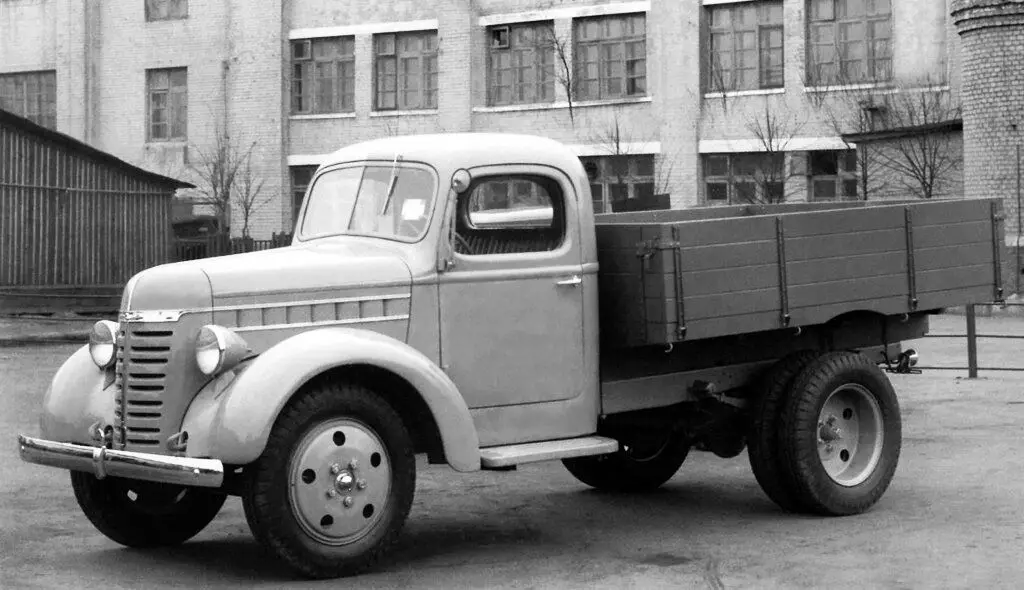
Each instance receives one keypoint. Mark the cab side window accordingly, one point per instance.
(510, 215)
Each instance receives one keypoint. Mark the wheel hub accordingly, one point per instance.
(850, 434)
(340, 478)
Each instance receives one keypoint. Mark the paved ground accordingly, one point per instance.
(952, 518)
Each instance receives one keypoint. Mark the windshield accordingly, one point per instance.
(387, 200)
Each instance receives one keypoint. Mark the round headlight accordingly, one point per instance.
(103, 344)
(219, 349)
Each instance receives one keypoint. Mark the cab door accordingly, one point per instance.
(512, 303)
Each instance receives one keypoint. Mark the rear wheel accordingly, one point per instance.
(643, 463)
(842, 434)
(763, 441)
(335, 484)
(142, 513)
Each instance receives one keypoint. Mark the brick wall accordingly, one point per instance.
(992, 33)
(236, 52)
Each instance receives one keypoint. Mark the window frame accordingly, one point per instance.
(764, 24)
(876, 66)
(607, 178)
(38, 105)
(306, 86)
(171, 94)
(542, 64)
(843, 178)
(426, 78)
(298, 189)
(604, 41)
(556, 192)
(734, 178)
(169, 5)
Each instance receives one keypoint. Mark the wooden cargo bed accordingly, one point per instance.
(751, 269)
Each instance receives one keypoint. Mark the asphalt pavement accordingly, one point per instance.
(952, 518)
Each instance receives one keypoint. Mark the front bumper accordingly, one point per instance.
(103, 462)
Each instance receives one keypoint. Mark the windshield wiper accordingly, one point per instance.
(391, 183)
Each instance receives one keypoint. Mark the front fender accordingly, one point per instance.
(77, 398)
(232, 416)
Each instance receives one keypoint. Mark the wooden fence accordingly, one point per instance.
(221, 245)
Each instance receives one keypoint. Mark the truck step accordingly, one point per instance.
(508, 456)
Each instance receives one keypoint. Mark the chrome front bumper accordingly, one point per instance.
(207, 473)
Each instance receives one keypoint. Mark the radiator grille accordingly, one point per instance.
(142, 357)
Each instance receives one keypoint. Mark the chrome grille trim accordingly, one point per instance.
(142, 357)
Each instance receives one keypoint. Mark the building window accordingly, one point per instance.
(745, 46)
(849, 41)
(168, 104)
(610, 54)
(833, 174)
(618, 178)
(32, 95)
(406, 71)
(521, 64)
(744, 178)
(323, 75)
(300, 177)
(166, 9)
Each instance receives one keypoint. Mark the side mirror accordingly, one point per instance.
(461, 180)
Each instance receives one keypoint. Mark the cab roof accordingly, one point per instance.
(461, 150)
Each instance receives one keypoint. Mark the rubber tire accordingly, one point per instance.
(265, 499)
(817, 492)
(763, 438)
(618, 472)
(107, 505)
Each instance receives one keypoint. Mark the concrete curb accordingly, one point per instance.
(44, 337)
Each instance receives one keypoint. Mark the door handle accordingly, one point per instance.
(573, 281)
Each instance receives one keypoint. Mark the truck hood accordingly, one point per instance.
(321, 268)
(324, 270)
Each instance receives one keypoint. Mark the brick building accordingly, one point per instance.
(710, 101)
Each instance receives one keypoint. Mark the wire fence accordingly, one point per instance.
(972, 336)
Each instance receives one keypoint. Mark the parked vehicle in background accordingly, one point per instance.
(455, 296)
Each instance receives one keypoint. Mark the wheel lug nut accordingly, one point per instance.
(335, 469)
(348, 501)
(332, 494)
(361, 484)
(353, 464)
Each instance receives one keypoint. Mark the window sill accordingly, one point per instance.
(545, 106)
(415, 113)
(322, 116)
(167, 143)
(848, 87)
(755, 92)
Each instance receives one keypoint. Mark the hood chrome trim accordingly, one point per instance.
(165, 316)
(324, 324)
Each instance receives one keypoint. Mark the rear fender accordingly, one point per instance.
(231, 418)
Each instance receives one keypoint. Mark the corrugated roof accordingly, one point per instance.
(8, 118)
(898, 132)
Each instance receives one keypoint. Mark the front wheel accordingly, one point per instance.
(335, 484)
(143, 513)
(641, 465)
(841, 434)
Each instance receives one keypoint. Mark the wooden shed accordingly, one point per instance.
(75, 222)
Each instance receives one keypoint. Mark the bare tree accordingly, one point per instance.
(616, 138)
(913, 148)
(564, 73)
(218, 168)
(248, 194)
(921, 152)
(774, 129)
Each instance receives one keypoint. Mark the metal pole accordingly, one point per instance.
(1019, 270)
(972, 343)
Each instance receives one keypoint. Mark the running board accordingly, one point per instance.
(511, 455)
